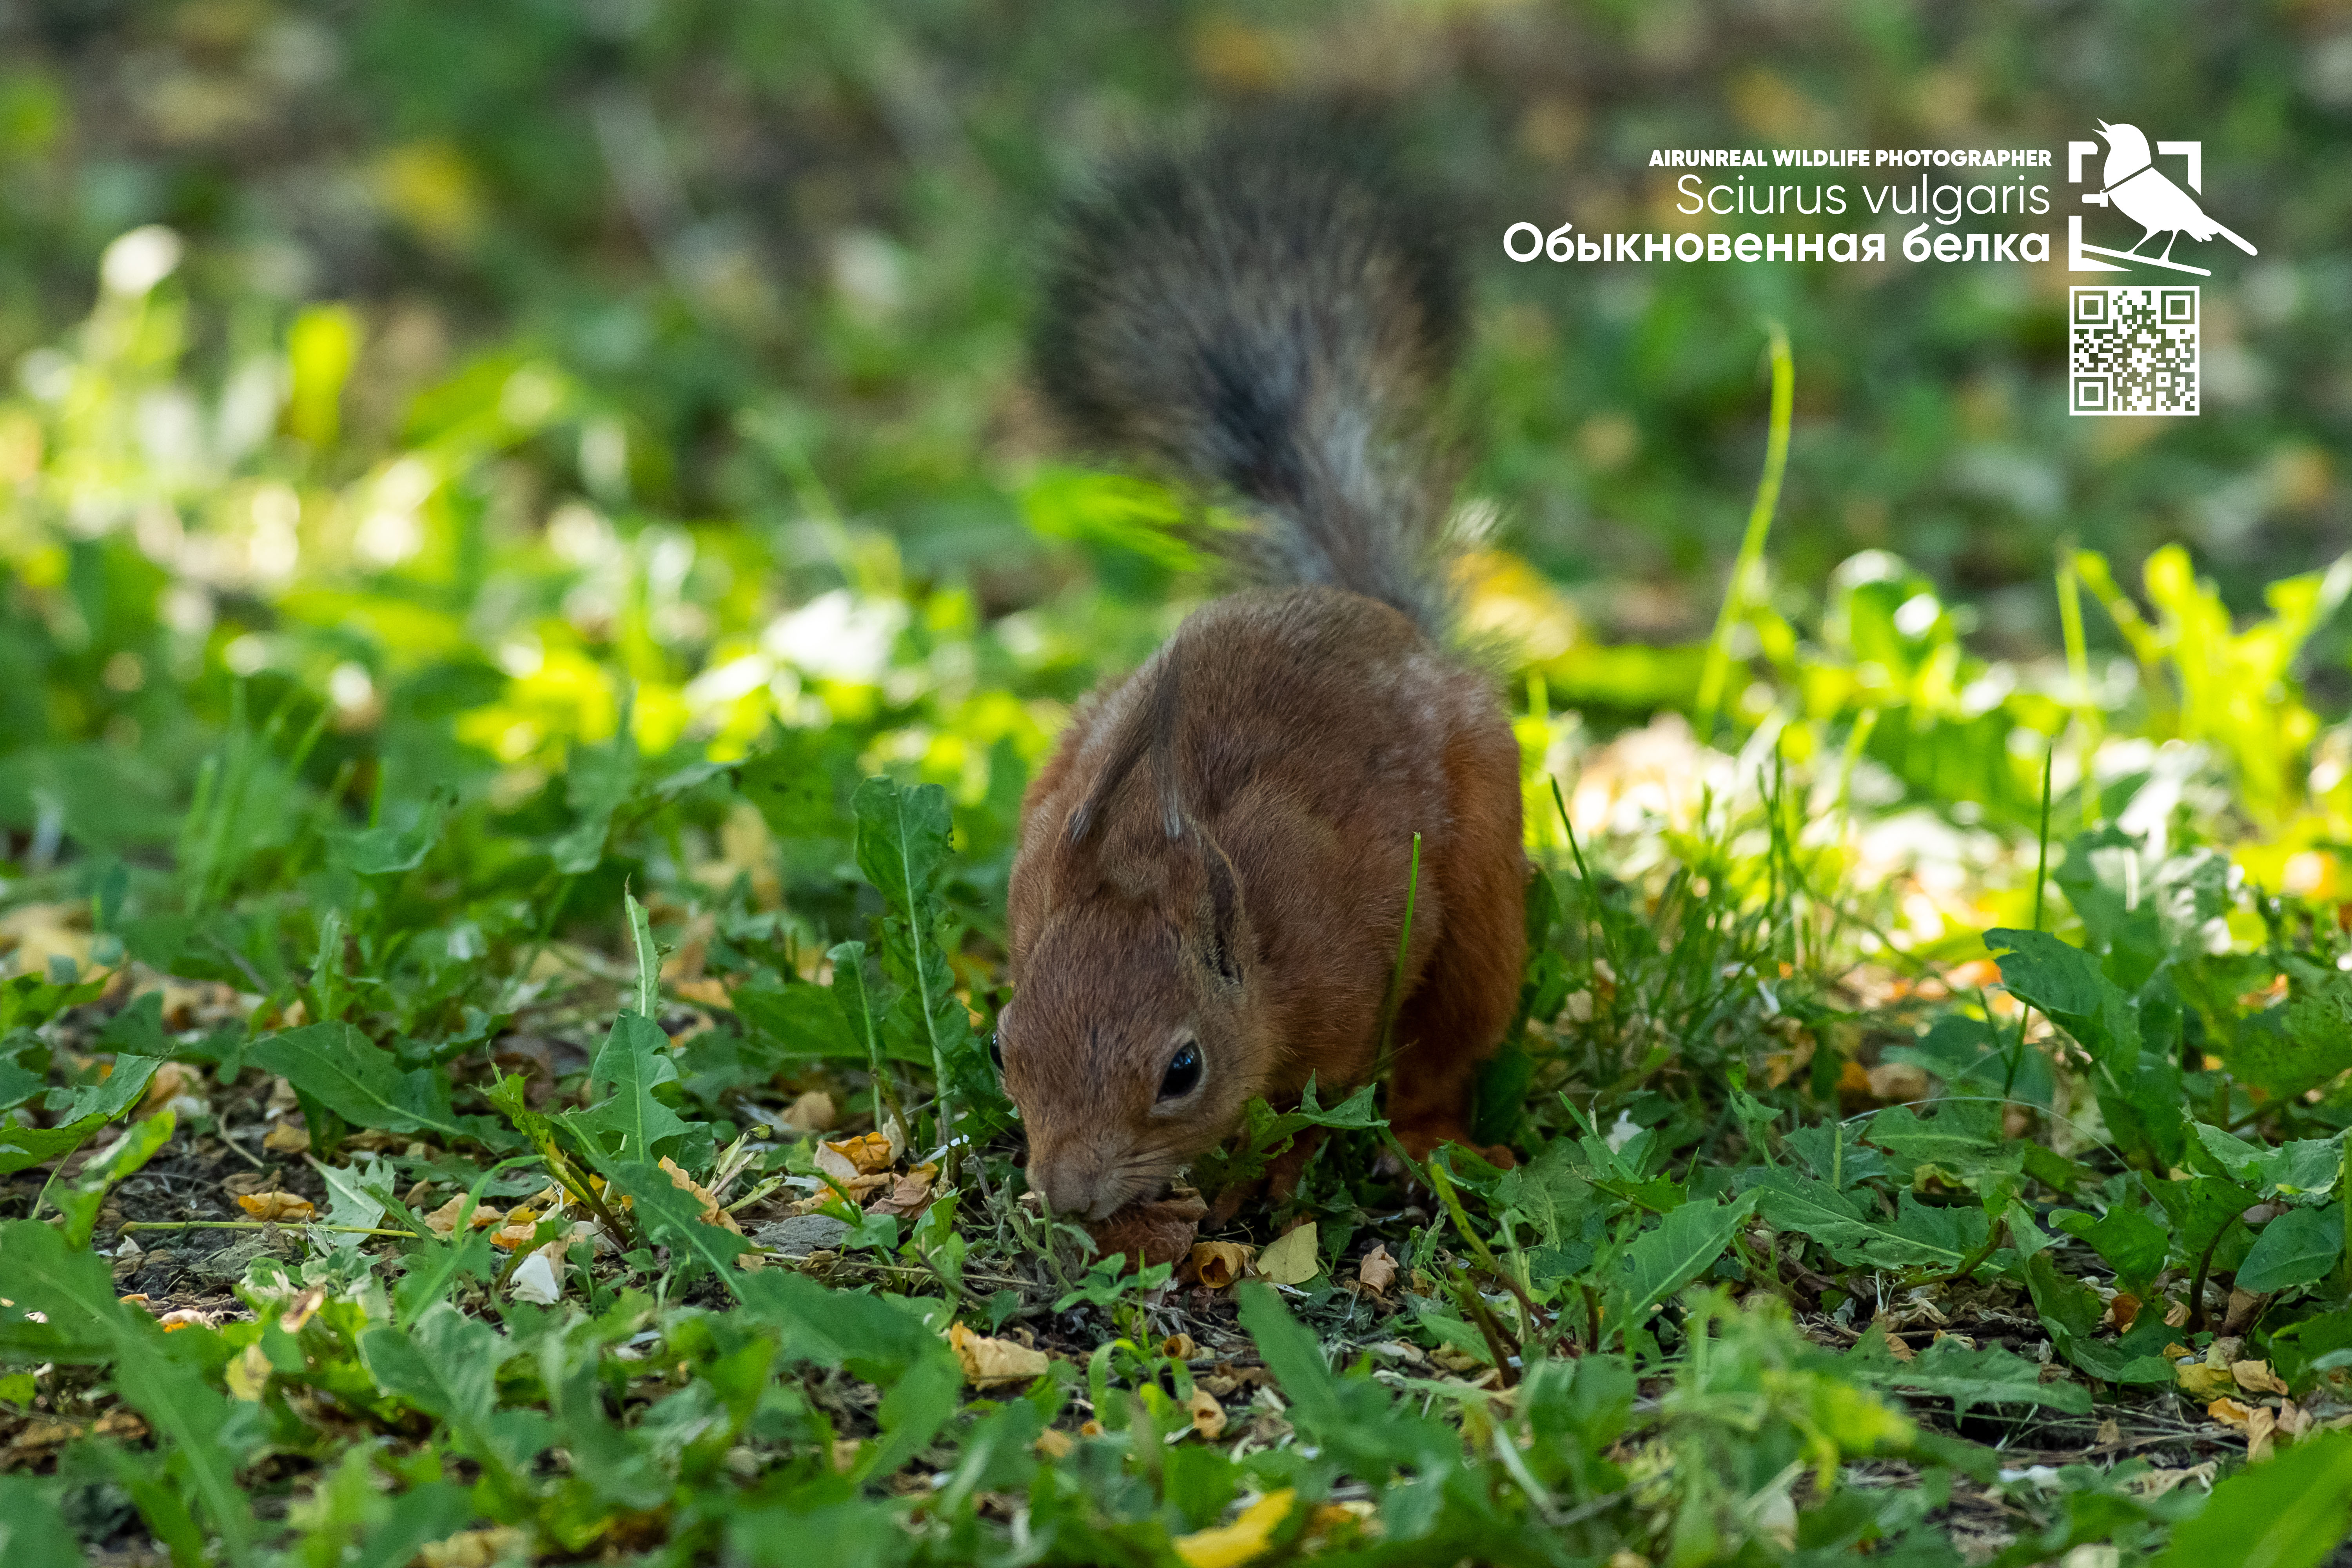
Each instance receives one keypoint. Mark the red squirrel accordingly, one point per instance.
(1213, 868)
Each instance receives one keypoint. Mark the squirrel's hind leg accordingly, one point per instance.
(1451, 1025)
(1468, 993)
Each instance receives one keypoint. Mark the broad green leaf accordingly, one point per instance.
(2295, 1348)
(28, 1001)
(433, 1511)
(902, 841)
(1920, 1237)
(2201, 1208)
(798, 1019)
(1803, 1208)
(2069, 1313)
(648, 958)
(1291, 1353)
(90, 1107)
(360, 1081)
(18, 1085)
(1963, 1137)
(2139, 1093)
(1548, 1192)
(384, 851)
(2315, 1030)
(2289, 1511)
(2260, 1052)
(2133, 1245)
(2066, 983)
(673, 1215)
(1988, 1375)
(2239, 1160)
(93, 1105)
(2296, 1249)
(1837, 1151)
(349, 1200)
(76, 1290)
(33, 1534)
(79, 1203)
(635, 1057)
(447, 1366)
(2304, 1165)
(1933, 1236)
(2023, 1230)
(138, 1029)
(859, 1003)
(1662, 1261)
(912, 1411)
(2290, 1170)
(876, 1338)
(2064, 1303)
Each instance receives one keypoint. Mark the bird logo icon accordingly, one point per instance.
(2132, 184)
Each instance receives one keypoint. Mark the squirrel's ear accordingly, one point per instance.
(1221, 934)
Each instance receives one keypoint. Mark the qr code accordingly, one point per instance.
(2132, 350)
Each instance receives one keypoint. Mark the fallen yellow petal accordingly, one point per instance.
(711, 1213)
(988, 1362)
(1217, 1264)
(276, 1205)
(2256, 1378)
(1230, 1545)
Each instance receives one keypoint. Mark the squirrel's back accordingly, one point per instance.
(1267, 314)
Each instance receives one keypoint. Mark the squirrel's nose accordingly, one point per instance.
(1069, 1180)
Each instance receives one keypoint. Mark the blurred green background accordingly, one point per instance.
(520, 361)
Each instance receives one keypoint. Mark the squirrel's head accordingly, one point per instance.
(1128, 1044)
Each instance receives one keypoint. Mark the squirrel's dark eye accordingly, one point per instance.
(1183, 1072)
(996, 1048)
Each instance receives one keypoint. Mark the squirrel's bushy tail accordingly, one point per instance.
(1267, 314)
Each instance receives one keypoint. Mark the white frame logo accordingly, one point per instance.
(2136, 349)
(2131, 183)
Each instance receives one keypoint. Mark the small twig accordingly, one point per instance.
(238, 1149)
(1993, 1239)
(2197, 1285)
(1476, 1308)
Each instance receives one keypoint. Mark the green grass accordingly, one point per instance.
(406, 816)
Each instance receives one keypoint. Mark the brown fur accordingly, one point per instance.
(1319, 731)
(1220, 849)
